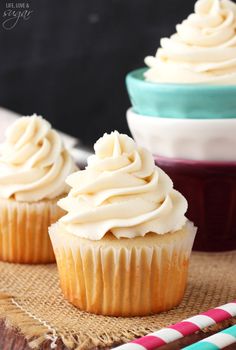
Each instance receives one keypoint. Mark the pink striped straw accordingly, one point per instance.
(181, 329)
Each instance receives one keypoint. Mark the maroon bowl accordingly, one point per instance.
(210, 189)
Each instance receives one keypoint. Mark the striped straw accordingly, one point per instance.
(181, 329)
(215, 342)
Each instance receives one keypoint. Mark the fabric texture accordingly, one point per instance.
(31, 301)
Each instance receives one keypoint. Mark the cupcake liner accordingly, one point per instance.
(24, 230)
(123, 277)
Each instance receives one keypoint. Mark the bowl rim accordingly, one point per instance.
(207, 164)
(136, 76)
(131, 113)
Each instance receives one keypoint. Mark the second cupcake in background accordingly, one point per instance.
(123, 247)
(33, 167)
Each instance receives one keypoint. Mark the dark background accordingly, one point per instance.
(69, 60)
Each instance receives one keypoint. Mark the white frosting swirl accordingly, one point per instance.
(202, 51)
(121, 191)
(34, 162)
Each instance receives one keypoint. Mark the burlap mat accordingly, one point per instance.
(31, 300)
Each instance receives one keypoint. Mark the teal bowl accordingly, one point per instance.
(194, 101)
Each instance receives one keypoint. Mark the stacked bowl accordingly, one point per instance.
(184, 112)
(197, 150)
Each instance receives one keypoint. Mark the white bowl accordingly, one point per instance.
(196, 139)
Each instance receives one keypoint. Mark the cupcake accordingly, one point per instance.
(184, 112)
(33, 166)
(124, 245)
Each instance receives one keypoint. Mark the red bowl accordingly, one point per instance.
(210, 189)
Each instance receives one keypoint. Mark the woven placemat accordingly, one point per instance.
(31, 300)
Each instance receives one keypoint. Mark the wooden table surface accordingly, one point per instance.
(10, 339)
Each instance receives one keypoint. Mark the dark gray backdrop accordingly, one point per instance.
(68, 61)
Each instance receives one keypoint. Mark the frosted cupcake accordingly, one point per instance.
(33, 166)
(193, 74)
(184, 112)
(123, 247)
